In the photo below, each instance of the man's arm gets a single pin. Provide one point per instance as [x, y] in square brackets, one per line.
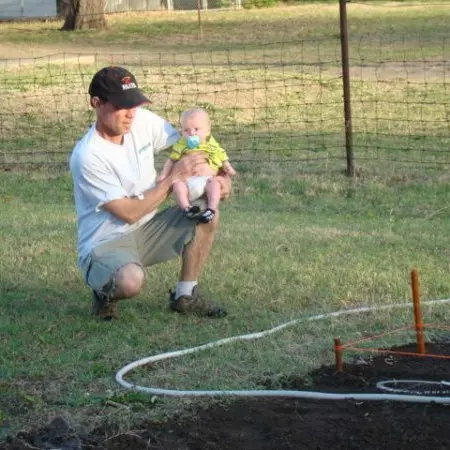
[165, 170]
[131, 210]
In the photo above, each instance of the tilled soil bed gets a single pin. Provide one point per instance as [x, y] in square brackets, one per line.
[286, 423]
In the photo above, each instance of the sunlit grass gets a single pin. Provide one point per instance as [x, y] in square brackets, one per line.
[409, 23]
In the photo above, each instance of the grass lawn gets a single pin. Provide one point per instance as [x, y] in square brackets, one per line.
[288, 247]
[393, 22]
[297, 238]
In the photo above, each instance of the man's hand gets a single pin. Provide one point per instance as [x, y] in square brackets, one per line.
[225, 184]
[187, 166]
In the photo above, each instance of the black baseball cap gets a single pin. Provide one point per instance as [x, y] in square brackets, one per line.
[118, 86]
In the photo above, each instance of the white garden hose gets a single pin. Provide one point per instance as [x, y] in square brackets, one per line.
[274, 393]
[419, 387]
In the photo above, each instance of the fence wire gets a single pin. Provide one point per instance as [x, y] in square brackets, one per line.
[279, 102]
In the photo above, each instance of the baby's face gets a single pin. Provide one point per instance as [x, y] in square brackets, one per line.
[196, 124]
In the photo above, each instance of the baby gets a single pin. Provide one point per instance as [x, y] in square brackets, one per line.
[196, 129]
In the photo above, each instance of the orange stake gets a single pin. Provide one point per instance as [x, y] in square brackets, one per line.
[338, 350]
[417, 312]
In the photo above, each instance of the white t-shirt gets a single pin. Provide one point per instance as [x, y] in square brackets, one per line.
[103, 171]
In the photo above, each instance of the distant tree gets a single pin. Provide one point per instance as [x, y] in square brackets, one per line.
[62, 7]
[83, 14]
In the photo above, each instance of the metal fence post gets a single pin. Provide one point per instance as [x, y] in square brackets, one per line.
[346, 86]
[199, 15]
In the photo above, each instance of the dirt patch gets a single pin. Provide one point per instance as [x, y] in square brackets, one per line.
[286, 423]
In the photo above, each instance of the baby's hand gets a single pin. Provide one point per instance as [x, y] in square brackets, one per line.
[229, 170]
[159, 178]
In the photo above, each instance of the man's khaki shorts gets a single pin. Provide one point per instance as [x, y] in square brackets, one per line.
[162, 238]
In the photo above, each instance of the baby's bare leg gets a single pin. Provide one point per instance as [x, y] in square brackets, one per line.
[181, 195]
[213, 192]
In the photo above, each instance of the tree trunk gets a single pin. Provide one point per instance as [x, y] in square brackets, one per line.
[83, 14]
[63, 7]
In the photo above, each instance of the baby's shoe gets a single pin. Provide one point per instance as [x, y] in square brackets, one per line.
[207, 216]
[192, 212]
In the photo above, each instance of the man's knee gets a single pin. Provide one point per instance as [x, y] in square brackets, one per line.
[129, 281]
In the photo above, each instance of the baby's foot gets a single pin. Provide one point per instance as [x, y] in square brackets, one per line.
[207, 216]
[191, 212]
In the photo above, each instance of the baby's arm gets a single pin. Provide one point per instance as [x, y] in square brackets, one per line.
[228, 168]
[165, 170]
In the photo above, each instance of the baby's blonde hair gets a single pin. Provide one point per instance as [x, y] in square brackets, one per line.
[190, 112]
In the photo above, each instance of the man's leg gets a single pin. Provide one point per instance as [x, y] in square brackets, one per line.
[186, 298]
[114, 272]
[197, 251]
[129, 281]
[126, 282]
[168, 235]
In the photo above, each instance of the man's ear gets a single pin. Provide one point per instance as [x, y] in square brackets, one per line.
[95, 101]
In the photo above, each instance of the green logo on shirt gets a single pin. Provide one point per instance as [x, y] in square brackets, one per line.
[145, 147]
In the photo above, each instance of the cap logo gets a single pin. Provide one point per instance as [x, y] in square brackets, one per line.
[128, 83]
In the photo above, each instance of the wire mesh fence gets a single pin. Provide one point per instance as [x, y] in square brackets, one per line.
[275, 102]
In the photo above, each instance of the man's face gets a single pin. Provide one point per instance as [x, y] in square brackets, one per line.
[197, 124]
[112, 122]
